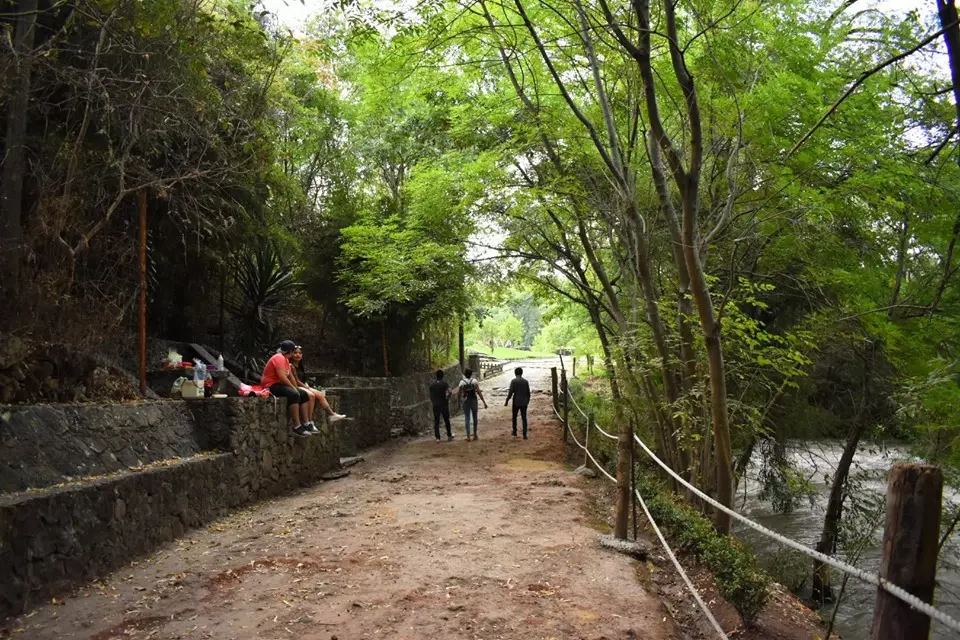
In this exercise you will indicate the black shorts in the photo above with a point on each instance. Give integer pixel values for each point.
(293, 396)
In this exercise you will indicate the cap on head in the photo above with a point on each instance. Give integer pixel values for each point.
(287, 346)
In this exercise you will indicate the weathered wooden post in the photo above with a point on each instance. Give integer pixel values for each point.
(566, 402)
(553, 389)
(473, 362)
(633, 480)
(142, 204)
(586, 442)
(910, 548)
(574, 366)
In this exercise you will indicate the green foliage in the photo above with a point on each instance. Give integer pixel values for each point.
(733, 566)
(789, 568)
(264, 282)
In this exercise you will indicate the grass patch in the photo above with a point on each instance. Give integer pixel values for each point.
(510, 354)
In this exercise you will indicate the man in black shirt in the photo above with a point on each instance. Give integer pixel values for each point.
(439, 392)
(520, 392)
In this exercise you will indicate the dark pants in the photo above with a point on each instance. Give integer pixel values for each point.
(293, 396)
(522, 410)
(445, 412)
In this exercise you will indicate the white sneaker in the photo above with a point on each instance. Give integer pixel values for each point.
(337, 417)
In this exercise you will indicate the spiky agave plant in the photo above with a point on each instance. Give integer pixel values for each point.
(263, 282)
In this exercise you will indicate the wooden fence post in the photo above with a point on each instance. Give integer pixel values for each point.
(586, 441)
(564, 389)
(574, 367)
(633, 479)
(142, 204)
(910, 549)
(553, 389)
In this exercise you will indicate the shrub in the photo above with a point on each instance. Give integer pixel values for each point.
(734, 567)
(789, 568)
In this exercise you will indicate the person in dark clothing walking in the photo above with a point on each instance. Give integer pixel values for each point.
(439, 393)
(520, 392)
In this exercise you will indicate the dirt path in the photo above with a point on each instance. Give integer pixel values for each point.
(485, 539)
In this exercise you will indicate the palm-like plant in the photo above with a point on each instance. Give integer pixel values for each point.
(263, 282)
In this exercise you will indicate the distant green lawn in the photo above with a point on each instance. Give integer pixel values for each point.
(509, 354)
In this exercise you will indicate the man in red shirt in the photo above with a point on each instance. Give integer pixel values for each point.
(278, 378)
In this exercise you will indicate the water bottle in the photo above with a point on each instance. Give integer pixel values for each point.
(220, 362)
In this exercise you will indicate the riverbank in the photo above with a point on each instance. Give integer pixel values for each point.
(785, 616)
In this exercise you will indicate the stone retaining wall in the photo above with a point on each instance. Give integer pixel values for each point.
(45, 445)
(58, 537)
(369, 409)
(409, 411)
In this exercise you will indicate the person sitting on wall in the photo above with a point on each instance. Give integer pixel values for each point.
(278, 378)
(317, 397)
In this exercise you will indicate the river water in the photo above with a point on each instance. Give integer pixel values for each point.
(817, 461)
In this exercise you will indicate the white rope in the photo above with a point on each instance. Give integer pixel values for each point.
(683, 574)
(609, 435)
(573, 435)
(577, 407)
(602, 470)
(870, 578)
(673, 558)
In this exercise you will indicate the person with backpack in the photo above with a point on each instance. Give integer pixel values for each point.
(520, 392)
(468, 390)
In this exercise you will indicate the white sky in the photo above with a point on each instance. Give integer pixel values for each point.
(294, 14)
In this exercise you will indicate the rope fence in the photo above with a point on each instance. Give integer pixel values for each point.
(870, 578)
(673, 558)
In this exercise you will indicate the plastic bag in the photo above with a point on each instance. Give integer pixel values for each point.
(177, 384)
(173, 357)
(199, 372)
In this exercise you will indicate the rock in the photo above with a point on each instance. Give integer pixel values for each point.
(586, 472)
(346, 463)
(455, 607)
(633, 548)
(336, 474)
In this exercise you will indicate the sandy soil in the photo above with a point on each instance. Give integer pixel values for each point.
(488, 539)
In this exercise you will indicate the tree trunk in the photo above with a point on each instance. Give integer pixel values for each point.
(822, 591)
(901, 261)
(383, 345)
(624, 473)
(718, 382)
(14, 158)
(947, 11)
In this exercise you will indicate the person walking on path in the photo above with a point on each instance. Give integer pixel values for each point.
(469, 389)
(520, 392)
(439, 394)
(278, 378)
